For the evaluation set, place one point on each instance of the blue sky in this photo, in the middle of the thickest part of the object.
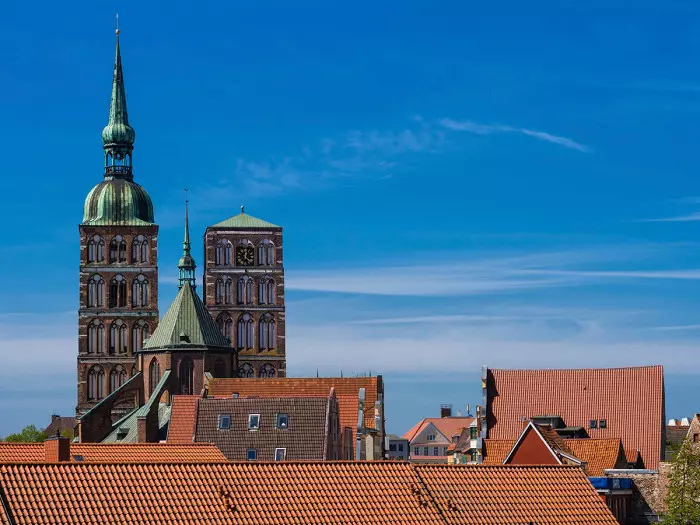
(460, 184)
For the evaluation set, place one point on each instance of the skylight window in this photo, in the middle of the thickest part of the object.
(253, 421)
(224, 422)
(280, 454)
(251, 454)
(282, 421)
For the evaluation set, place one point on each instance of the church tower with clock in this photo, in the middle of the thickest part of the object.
(118, 265)
(244, 291)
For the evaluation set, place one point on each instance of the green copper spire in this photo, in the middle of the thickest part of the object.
(187, 266)
(118, 136)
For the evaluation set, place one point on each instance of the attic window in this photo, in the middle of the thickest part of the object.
(603, 423)
(78, 458)
(253, 421)
(431, 437)
(224, 422)
(282, 421)
(280, 454)
(593, 423)
(122, 432)
(251, 454)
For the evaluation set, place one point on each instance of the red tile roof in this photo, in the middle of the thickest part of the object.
(307, 492)
(631, 400)
(116, 453)
(447, 426)
(183, 418)
(496, 450)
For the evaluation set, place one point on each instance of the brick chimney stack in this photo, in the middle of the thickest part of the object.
(57, 448)
(445, 410)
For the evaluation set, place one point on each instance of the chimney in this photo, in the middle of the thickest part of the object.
(445, 410)
(56, 449)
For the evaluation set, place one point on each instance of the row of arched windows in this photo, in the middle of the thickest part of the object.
(244, 290)
(96, 381)
(246, 331)
(117, 250)
(140, 292)
(265, 252)
(247, 370)
(118, 337)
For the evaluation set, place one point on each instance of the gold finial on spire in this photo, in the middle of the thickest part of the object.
(117, 30)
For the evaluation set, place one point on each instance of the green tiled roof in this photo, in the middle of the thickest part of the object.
(186, 324)
(243, 220)
(118, 202)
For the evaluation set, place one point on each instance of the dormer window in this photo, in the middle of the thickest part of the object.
(282, 421)
(224, 422)
(253, 421)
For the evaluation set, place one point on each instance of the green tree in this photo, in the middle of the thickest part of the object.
(29, 434)
(683, 500)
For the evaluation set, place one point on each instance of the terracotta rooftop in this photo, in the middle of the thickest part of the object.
(496, 450)
(183, 417)
(305, 492)
(447, 426)
(630, 400)
(115, 453)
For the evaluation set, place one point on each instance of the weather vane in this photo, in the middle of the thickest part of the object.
(187, 195)
(117, 31)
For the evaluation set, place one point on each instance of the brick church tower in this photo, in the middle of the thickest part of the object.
(244, 291)
(118, 265)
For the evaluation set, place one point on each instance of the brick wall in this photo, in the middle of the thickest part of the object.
(650, 489)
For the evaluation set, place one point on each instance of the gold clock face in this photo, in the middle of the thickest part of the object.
(244, 255)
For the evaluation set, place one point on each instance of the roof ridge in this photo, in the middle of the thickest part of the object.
(574, 369)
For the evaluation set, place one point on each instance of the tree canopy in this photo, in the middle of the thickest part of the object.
(683, 499)
(29, 434)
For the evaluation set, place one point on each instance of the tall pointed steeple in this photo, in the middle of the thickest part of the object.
(118, 136)
(187, 266)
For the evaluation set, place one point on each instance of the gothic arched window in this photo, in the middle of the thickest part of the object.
(219, 295)
(139, 333)
(245, 290)
(246, 370)
(153, 375)
(267, 370)
(224, 249)
(228, 291)
(139, 291)
(139, 250)
(117, 250)
(219, 368)
(96, 337)
(266, 253)
(117, 377)
(225, 324)
(267, 333)
(266, 291)
(117, 292)
(186, 376)
(117, 337)
(96, 292)
(96, 249)
(246, 332)
(95, 383)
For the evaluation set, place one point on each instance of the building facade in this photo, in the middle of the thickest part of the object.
(118, 265)
(244, 291)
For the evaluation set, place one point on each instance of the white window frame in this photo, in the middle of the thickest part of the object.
(250, 422)
(284, 454)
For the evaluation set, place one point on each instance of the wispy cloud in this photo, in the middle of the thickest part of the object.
(488, 129)
(679, 218)
(677, 328)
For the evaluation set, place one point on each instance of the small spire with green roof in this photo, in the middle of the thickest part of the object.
(187, 266)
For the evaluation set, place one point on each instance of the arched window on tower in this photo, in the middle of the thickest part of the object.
(246, 370)
(117, 377)
(117, 250)
(186, 376)
(96, 337)
(139, 250)
(96, 249)
(224, 249)
(267, 370)
(228, 291)
(266, 291)
(219, 368)
(95, 383)
(225, 324)
(117, 292)
(139, 291)
(96, 292)
(139, 333)
(219, 295)
(246, 332)
(245, 290)
(266, 253)
(117, 337)
(153, 375)
(267, 333)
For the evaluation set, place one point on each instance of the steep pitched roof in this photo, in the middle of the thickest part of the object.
(366, 492)
(243, 220)
(187, 323)
(447, 426)
(496, 450)
(60, 423)
(618, 395)
(183, 418)
(115, 453)
(304, 438)
(555, 444)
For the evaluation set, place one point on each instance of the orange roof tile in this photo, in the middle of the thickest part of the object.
(298, 492)
(599, 454)
(183, 418)
(447, 426)
(496, 450)
(510, 495)
(116, 453)
(621, 396)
